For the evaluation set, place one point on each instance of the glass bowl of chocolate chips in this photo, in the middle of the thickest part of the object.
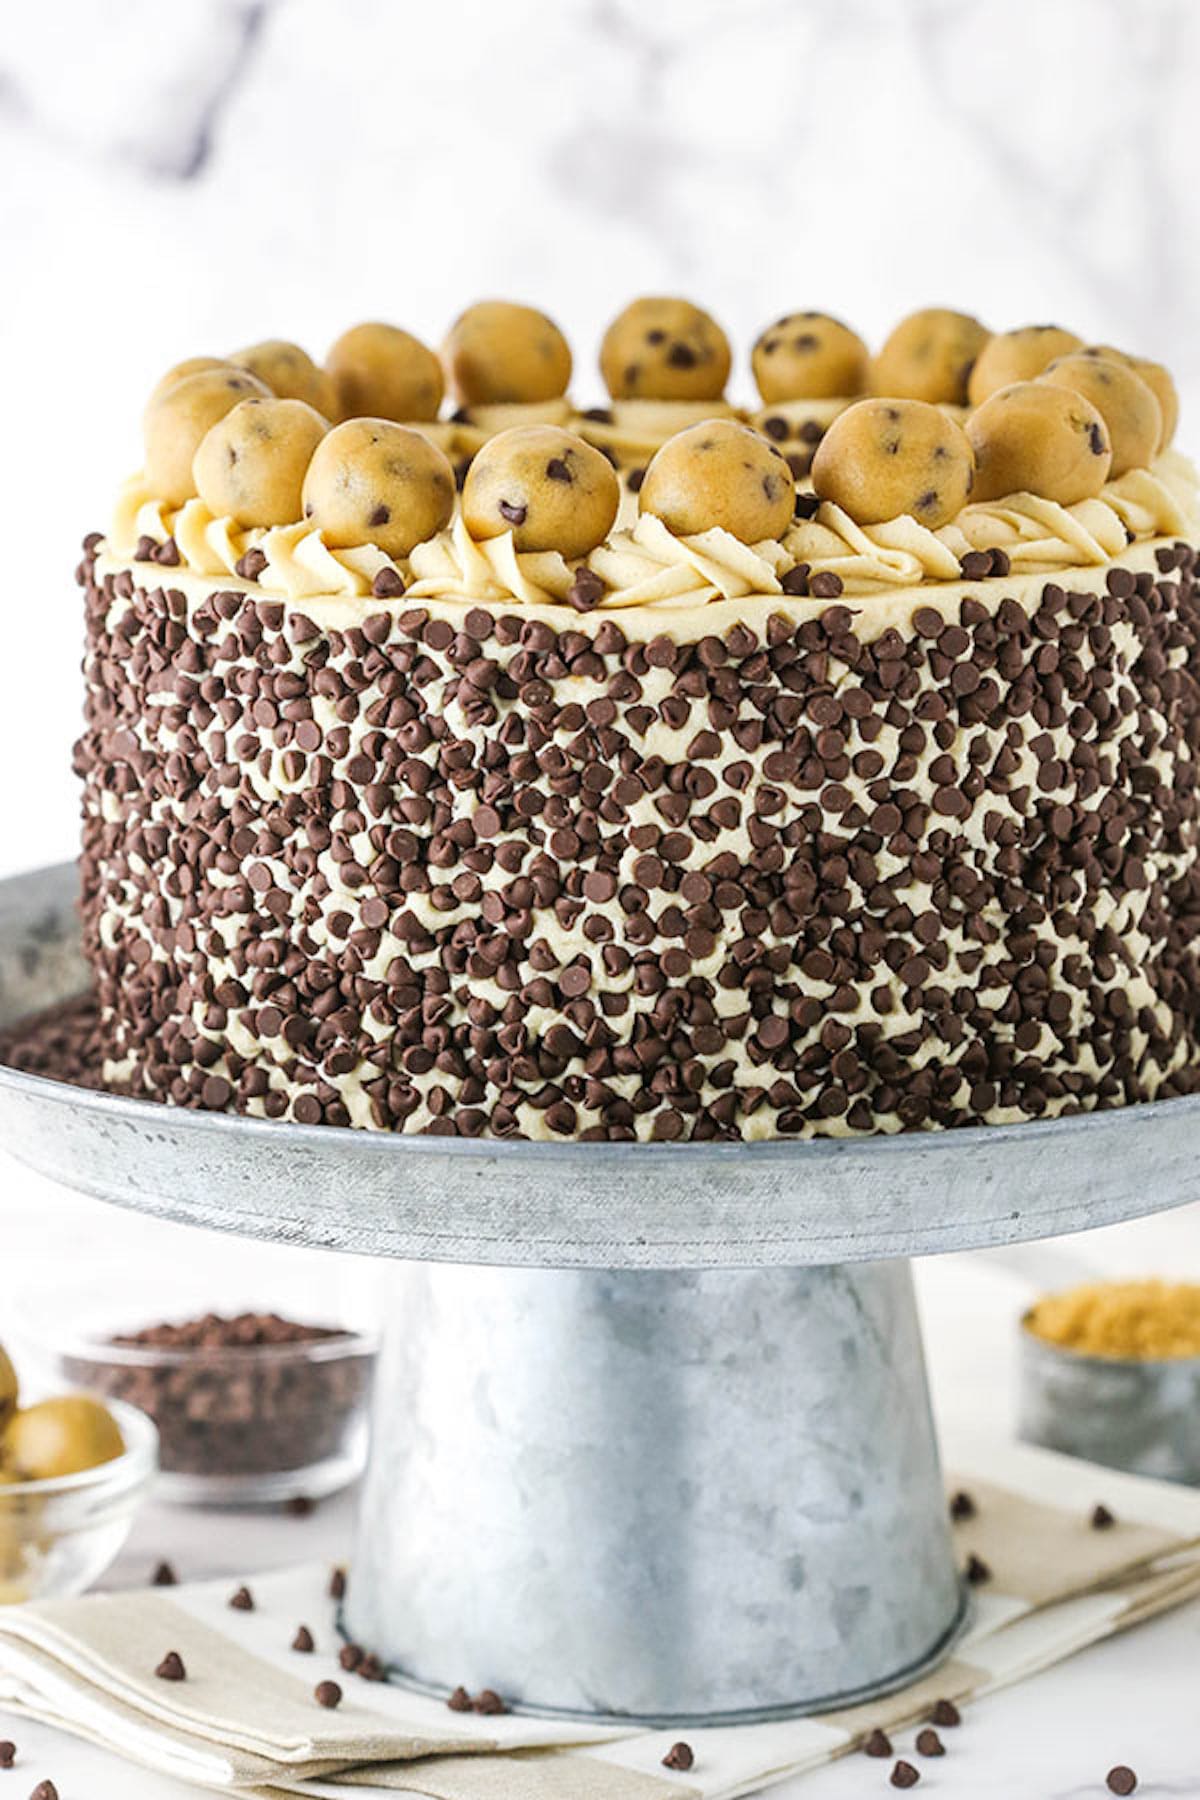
(252, 1408)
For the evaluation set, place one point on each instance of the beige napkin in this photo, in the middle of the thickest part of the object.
(245, 1719)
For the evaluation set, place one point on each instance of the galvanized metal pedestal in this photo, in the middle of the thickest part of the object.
(652, 1431)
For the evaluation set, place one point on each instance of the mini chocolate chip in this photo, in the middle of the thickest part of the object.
(8, 1753)
(516, 515)
(387, 585)
(327, 1694)
(171, 1667)
(167, 554)
(962, 1506)
(371, 1669)
(164, 1576)
(904, 1775)
(679, 1756)
(45, 1790)
(1121, 1779)
(1102, 1519)
(944, 1712)
(929, 1743)
(826, 585)
(337, 1585)
(303, 1640)
(807, 505)
(976, 565)
(489, 1701)
(380, 515)
(242, 1601)
(557, 470)
(1001, 564)
(251, 565)
(878, 1744)
(350, 1656)
(795, 581)
(586, 589)
(977, 1571)
(459, 1701)
(599, 415)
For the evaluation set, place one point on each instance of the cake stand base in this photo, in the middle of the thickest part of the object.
(696, 1496)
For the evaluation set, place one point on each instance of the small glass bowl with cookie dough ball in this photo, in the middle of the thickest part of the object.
(252, 1408)
(73, 1472)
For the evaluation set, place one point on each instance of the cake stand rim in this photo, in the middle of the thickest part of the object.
(757, 1223)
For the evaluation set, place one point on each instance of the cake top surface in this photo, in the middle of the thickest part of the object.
(953, 453)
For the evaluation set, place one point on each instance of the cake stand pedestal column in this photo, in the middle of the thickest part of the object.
(667, 1495)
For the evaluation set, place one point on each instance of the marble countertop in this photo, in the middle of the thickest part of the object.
(1132, 1700)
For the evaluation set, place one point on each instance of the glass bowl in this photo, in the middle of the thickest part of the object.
(238, 1425)
(59, 1536)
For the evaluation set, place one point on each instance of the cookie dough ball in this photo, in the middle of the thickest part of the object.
(809, 356)
(1039, 438)
(251, 466)
(374, 482)
(884, 458)
(928, 356)
(191, 365)
(1156, 377)
(178, 421)
(9, 1391)
(1131, 413)
(498, 353)
(720, 473)
(290, 373)
(1018, 355)
(663, 349)
(61, 1437)
(381, 372)
(548, 487)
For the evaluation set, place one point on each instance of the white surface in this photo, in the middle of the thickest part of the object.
(183, 178)
(1131, 1701)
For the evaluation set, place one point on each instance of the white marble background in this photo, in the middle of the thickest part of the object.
(183, 177)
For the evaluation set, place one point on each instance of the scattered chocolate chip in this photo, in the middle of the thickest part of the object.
(878, 1744)
(586, 590)
(350, 1656)
(460, 1701)
(929, 1743)
(144, 549)
(977, 1571)
(167, 554)
(171, 1667)
(962, 1506)
(387, 585)
(371, 1669)
(489, 1701)
(327, 1694)
(8, 1753)
(337, 1584)
(164, 1576)
(795, 581)
(45, 1790)
(976, 565)
(242, 1600)
(679, 1756)
(251, 564)
(1001, 563)
(1102, 1519)
(944, 1712)
(303, 1640)
(904, 1775)
(300, 1506)
(1121, 1779)
(827, 584)
(516, 515)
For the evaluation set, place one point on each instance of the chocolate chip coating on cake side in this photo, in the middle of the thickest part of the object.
(466, 871)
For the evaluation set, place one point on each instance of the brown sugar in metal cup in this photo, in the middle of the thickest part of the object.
(250, 1408)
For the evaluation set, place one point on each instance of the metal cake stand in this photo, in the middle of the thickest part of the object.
(652, 1430)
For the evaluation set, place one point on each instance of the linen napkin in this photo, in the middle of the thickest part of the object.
(245, 1718)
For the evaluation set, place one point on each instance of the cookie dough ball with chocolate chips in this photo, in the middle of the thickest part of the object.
(884, 458)
(251, 466)
(665, 349)
(9, 1390)
(191, 365)
(499, 353)
(290, 373)
(61, 1437)
(381, 372)
(928, 356)
(720, 473)
(809, 356)
(1018, 355)
(548, 487)
(374, 482)
(1038, 438)
(178, 420)
(1156, 377)
(1124, 401)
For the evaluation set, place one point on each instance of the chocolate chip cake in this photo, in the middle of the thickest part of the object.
(628, 773)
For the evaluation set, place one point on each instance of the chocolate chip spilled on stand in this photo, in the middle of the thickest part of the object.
(1121, 1780)
(350, 1657)
(977, 1571)
(1102, 1519)
(929, 1743)
(242, 1600)
(878, 1744)
(489, 1701)
(337, 1585)
(171, 1667)
(679, 1756)
(303, 1640)
(904, 1775)
(164, 1576)
(328, 1694)
(45, 1790)
(8, 1753)
(944, 1712)
(962, 1506)
(459, 1701)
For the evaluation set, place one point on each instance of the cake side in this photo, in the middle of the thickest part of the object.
(761, 867)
